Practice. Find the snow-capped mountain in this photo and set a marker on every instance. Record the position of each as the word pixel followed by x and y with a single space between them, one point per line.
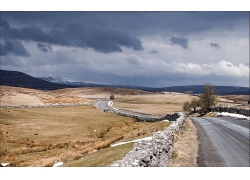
pixel 57 79
pixel 62 80
pixel 68 81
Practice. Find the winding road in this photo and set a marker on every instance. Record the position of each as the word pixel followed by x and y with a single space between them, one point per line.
pixel 103 105
pixel 223 141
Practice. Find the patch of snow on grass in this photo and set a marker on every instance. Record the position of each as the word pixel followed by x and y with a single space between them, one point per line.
pixel 166 120
pixel 58 164
pixel 4 164
pixel 136 140
pixel 233 115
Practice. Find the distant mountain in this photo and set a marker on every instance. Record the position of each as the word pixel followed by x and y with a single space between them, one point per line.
pixel 70 82
pixel 197 89
pixel 56 79
pixel 19 79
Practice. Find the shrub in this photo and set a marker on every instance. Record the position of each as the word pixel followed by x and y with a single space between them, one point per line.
pixel 112 97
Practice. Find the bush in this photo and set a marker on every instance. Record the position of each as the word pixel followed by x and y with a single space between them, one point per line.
pixel 112 97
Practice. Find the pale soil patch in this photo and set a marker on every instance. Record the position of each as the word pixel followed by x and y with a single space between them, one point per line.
pixel 185 146
pixel 19 99
pixel 234 100
pixel 16 96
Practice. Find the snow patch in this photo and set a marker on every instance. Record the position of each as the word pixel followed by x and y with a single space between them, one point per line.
pixel 4 164
pixel 58 164
pixel 136 140
pixel 233 115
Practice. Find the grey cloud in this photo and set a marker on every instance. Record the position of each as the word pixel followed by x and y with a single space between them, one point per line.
pixel 132 60
pixel 215 45
pixel 137 22
pixel 44 48
pixel 101 39
pixel 154 52
pixel 13 47
pixel 183 42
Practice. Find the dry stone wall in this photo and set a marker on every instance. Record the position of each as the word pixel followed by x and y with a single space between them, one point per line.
pixel 229 109
pixel 141 117
pixel 156 152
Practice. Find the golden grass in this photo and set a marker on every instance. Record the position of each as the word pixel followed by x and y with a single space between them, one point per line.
pixel 41 136
pixel 158 104
pixel 185 147
pixel 101 158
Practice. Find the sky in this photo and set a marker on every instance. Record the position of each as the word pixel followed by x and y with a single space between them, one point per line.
pixel 145 48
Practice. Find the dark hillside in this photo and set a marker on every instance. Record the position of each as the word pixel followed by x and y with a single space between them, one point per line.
pixel 19 79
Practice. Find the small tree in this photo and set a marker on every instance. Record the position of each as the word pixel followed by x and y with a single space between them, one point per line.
pixel 187 106
pixel 208 98
pixel 195 103
pixel 112 97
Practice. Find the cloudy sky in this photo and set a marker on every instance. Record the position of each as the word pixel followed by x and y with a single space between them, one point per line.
pixel 156 49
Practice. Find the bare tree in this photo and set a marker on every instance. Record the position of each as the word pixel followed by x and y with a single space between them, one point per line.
pixel 208 98
pixel 187 106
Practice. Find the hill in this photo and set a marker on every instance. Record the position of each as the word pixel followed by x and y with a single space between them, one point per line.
pixel 197 89
pixel 19 79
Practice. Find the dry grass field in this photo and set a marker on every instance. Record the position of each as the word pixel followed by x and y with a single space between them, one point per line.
pixel 42 136
pixel 185 147
pixel 234 100
pixel 156 104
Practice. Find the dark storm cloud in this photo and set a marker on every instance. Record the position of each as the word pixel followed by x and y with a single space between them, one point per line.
pixel 13 47
pixel 44 48
pixel 101 39
pixel 183 42
pixel 154 52
pixel 137 22
pixel 215 45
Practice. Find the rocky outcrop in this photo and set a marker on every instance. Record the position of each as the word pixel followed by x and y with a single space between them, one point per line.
pixel 156 152
pixel 229 109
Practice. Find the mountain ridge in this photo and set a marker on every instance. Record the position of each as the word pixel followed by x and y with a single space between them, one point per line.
pixel 20 79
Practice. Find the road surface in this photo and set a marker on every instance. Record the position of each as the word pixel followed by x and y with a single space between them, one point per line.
pixel 223 141
pixel 103 105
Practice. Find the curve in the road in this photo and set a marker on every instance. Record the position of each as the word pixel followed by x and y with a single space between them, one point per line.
pixel 103 105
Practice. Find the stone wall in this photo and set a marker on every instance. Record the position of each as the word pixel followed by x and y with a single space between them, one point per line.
pixel 228 109
pixel 142 117
pixel 156 152
pixel 51 105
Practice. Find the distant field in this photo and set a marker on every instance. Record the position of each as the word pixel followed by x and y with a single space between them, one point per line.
pixel 41 136
pixel 157 104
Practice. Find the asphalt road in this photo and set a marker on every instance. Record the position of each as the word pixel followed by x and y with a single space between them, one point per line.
pixel 223 141
pixel 101 104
